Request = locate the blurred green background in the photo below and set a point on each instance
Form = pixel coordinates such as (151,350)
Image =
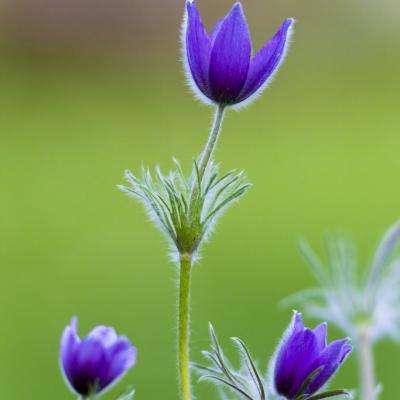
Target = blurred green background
(89,88)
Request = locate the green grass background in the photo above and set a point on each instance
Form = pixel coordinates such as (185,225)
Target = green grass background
(321,148)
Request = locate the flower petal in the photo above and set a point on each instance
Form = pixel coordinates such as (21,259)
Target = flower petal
(89,368)
(297,323)
(267,61)
(320,333)
(330,359)
(292,365)
(216,29)
(121,356)
(69,345)
(197,48)
(94,363)
(105,335)
(230,57)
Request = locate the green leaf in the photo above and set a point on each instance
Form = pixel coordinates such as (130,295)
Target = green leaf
(307,382)
(251,367)
(313,261)
(332,393)
(128,395)
(227,383)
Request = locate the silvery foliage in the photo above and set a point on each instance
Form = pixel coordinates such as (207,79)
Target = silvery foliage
(129,395)
(186,208)
(350,300)
(247,382)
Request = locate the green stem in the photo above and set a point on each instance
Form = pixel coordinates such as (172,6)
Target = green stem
(212,139)
(207,152)
(186,264)
(366,365)
(184,325)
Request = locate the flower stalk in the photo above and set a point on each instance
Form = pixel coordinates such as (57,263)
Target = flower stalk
(184,325)
(366,365)
(212,139)
(186,262)
(206,154)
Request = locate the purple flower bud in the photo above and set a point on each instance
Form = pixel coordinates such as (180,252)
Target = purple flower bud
(304,362)
(92,364)
(220,66)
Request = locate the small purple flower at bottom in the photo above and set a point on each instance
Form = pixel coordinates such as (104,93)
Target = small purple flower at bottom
(304,362)
(92,364)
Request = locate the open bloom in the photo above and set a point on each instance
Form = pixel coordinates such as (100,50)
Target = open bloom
(92,364)
(220,65)
(304,362)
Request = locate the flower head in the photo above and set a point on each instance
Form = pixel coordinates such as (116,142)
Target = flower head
(304,362)
(220,65)
(92,364)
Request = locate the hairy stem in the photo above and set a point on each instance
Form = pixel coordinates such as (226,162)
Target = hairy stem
(366,365)
(184,325)
(186,264)
(212,139)
(208,150)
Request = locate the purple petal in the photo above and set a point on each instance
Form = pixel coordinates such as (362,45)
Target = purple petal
(230,57)
(302,352)
(121,357)
(95,362)
(69,344)
(330,359)
(320,333)
(292,365)
(297,323)
(346,350)
(89,368)
(216,29)
(105,335)
(267,60)
(197,48)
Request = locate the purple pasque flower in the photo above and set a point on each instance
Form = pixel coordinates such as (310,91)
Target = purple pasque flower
(220,66)
(92,364)
(304,355)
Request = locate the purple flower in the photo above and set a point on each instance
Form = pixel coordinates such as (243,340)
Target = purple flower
(92,364)
(220,65)
(304,355)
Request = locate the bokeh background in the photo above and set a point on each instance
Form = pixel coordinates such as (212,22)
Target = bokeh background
(90,88)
